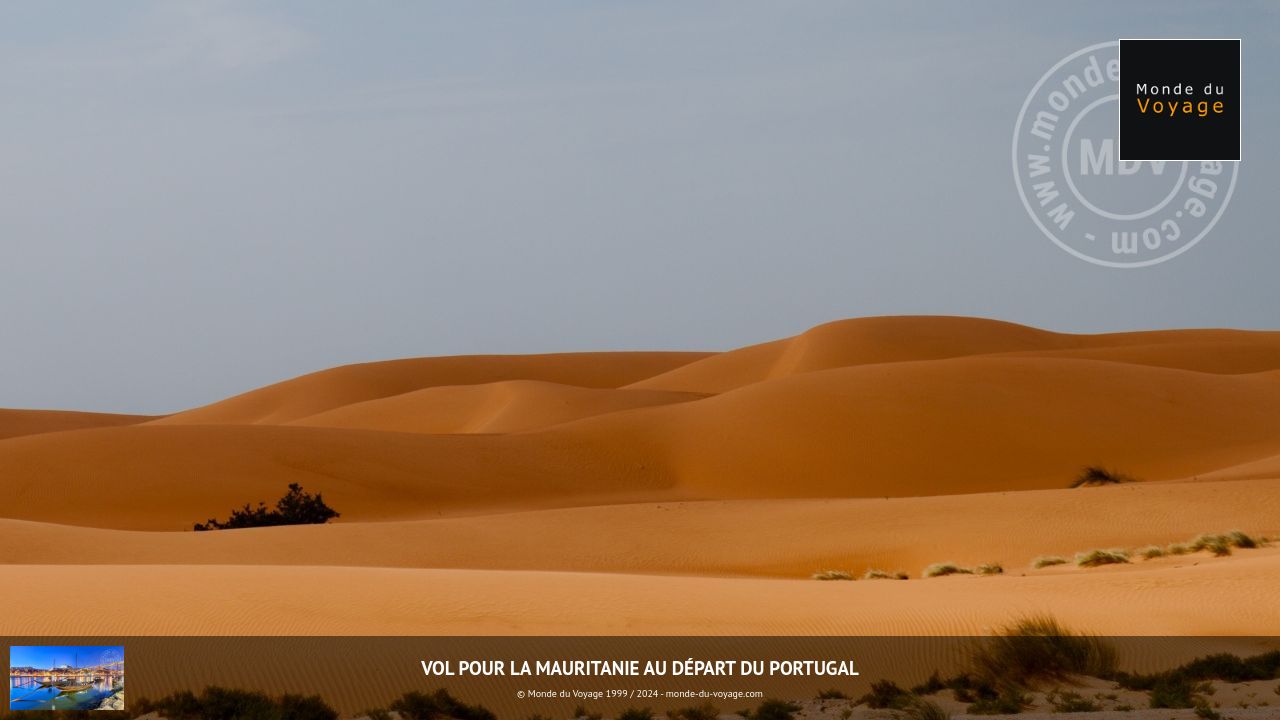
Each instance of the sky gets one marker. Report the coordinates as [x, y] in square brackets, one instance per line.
[46, 657]
[204, 197]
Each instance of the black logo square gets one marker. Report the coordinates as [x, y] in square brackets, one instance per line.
[1179, 99]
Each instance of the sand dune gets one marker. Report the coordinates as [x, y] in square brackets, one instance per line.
[266, 600]
[945, 427]
[865, 341]
[167, 477]
[649, 493]
[17, 423]
[328, 389]
[966, 425]
[764, 538]
[502, 407]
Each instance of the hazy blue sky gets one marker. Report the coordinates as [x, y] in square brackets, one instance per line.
[46, 657]
[203, 197]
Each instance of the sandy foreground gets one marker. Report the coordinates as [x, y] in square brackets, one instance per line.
[672, 493]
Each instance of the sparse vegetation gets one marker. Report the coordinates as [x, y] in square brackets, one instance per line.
[775, 710]
[832, 694]
[581, 712]
[946, 568]
[636, 714]
[216, 703]
[1039, 648]
[989, 569]
[1095, 475]
[1207, 713]
[1064, 701]
[875, 574]
[439, 704]
[1045, 561]
[926, 710]
[1219, 545]
[1151, 552]
[1009, 702]
[933, 685]
[1096, 558]
[295, 508]
[886, 694]
[832, 575]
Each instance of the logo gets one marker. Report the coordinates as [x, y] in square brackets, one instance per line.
[1107, 211]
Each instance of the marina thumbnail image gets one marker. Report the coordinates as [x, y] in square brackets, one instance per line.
[66, 677]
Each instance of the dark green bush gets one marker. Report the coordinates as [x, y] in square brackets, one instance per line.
[438, 705]
[1097, 475]
[217, 703]
[775, 710]
[886, 694]
[295, 508]
[1009, 702]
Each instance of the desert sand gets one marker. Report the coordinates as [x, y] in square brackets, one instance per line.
[672, 493]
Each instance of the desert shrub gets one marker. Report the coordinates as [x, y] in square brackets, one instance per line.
[1096, 558]
[1173, 691]
[875, 574]
[775, 710]
[1242, 540]
[1045, 561]
[934, 684]
[1207, 713]
[926, 710]
[216, 703]
[380, 714]
[1178, 549]
[886, 694]
[1151, 552]
[832, 575]
[582, 713]
[295, 508]
[1219, 545]
[1094, 475]
[1232, 668]
[832, 694]
[1009, 702]
[436, 705]
[990, 569]
[636, 714]
[1039, 648]
[946, 568]
[1064, 701]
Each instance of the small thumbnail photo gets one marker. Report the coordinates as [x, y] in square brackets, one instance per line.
[66, 677]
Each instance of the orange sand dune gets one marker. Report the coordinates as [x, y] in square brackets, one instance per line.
[16, 423]
[656, 493]
[503, 407]
[943, 427]
[864, 341]
[165, 477]
[768, 538]
[1227, 357]
[328, 389]
[962, 425]
[275, 600]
